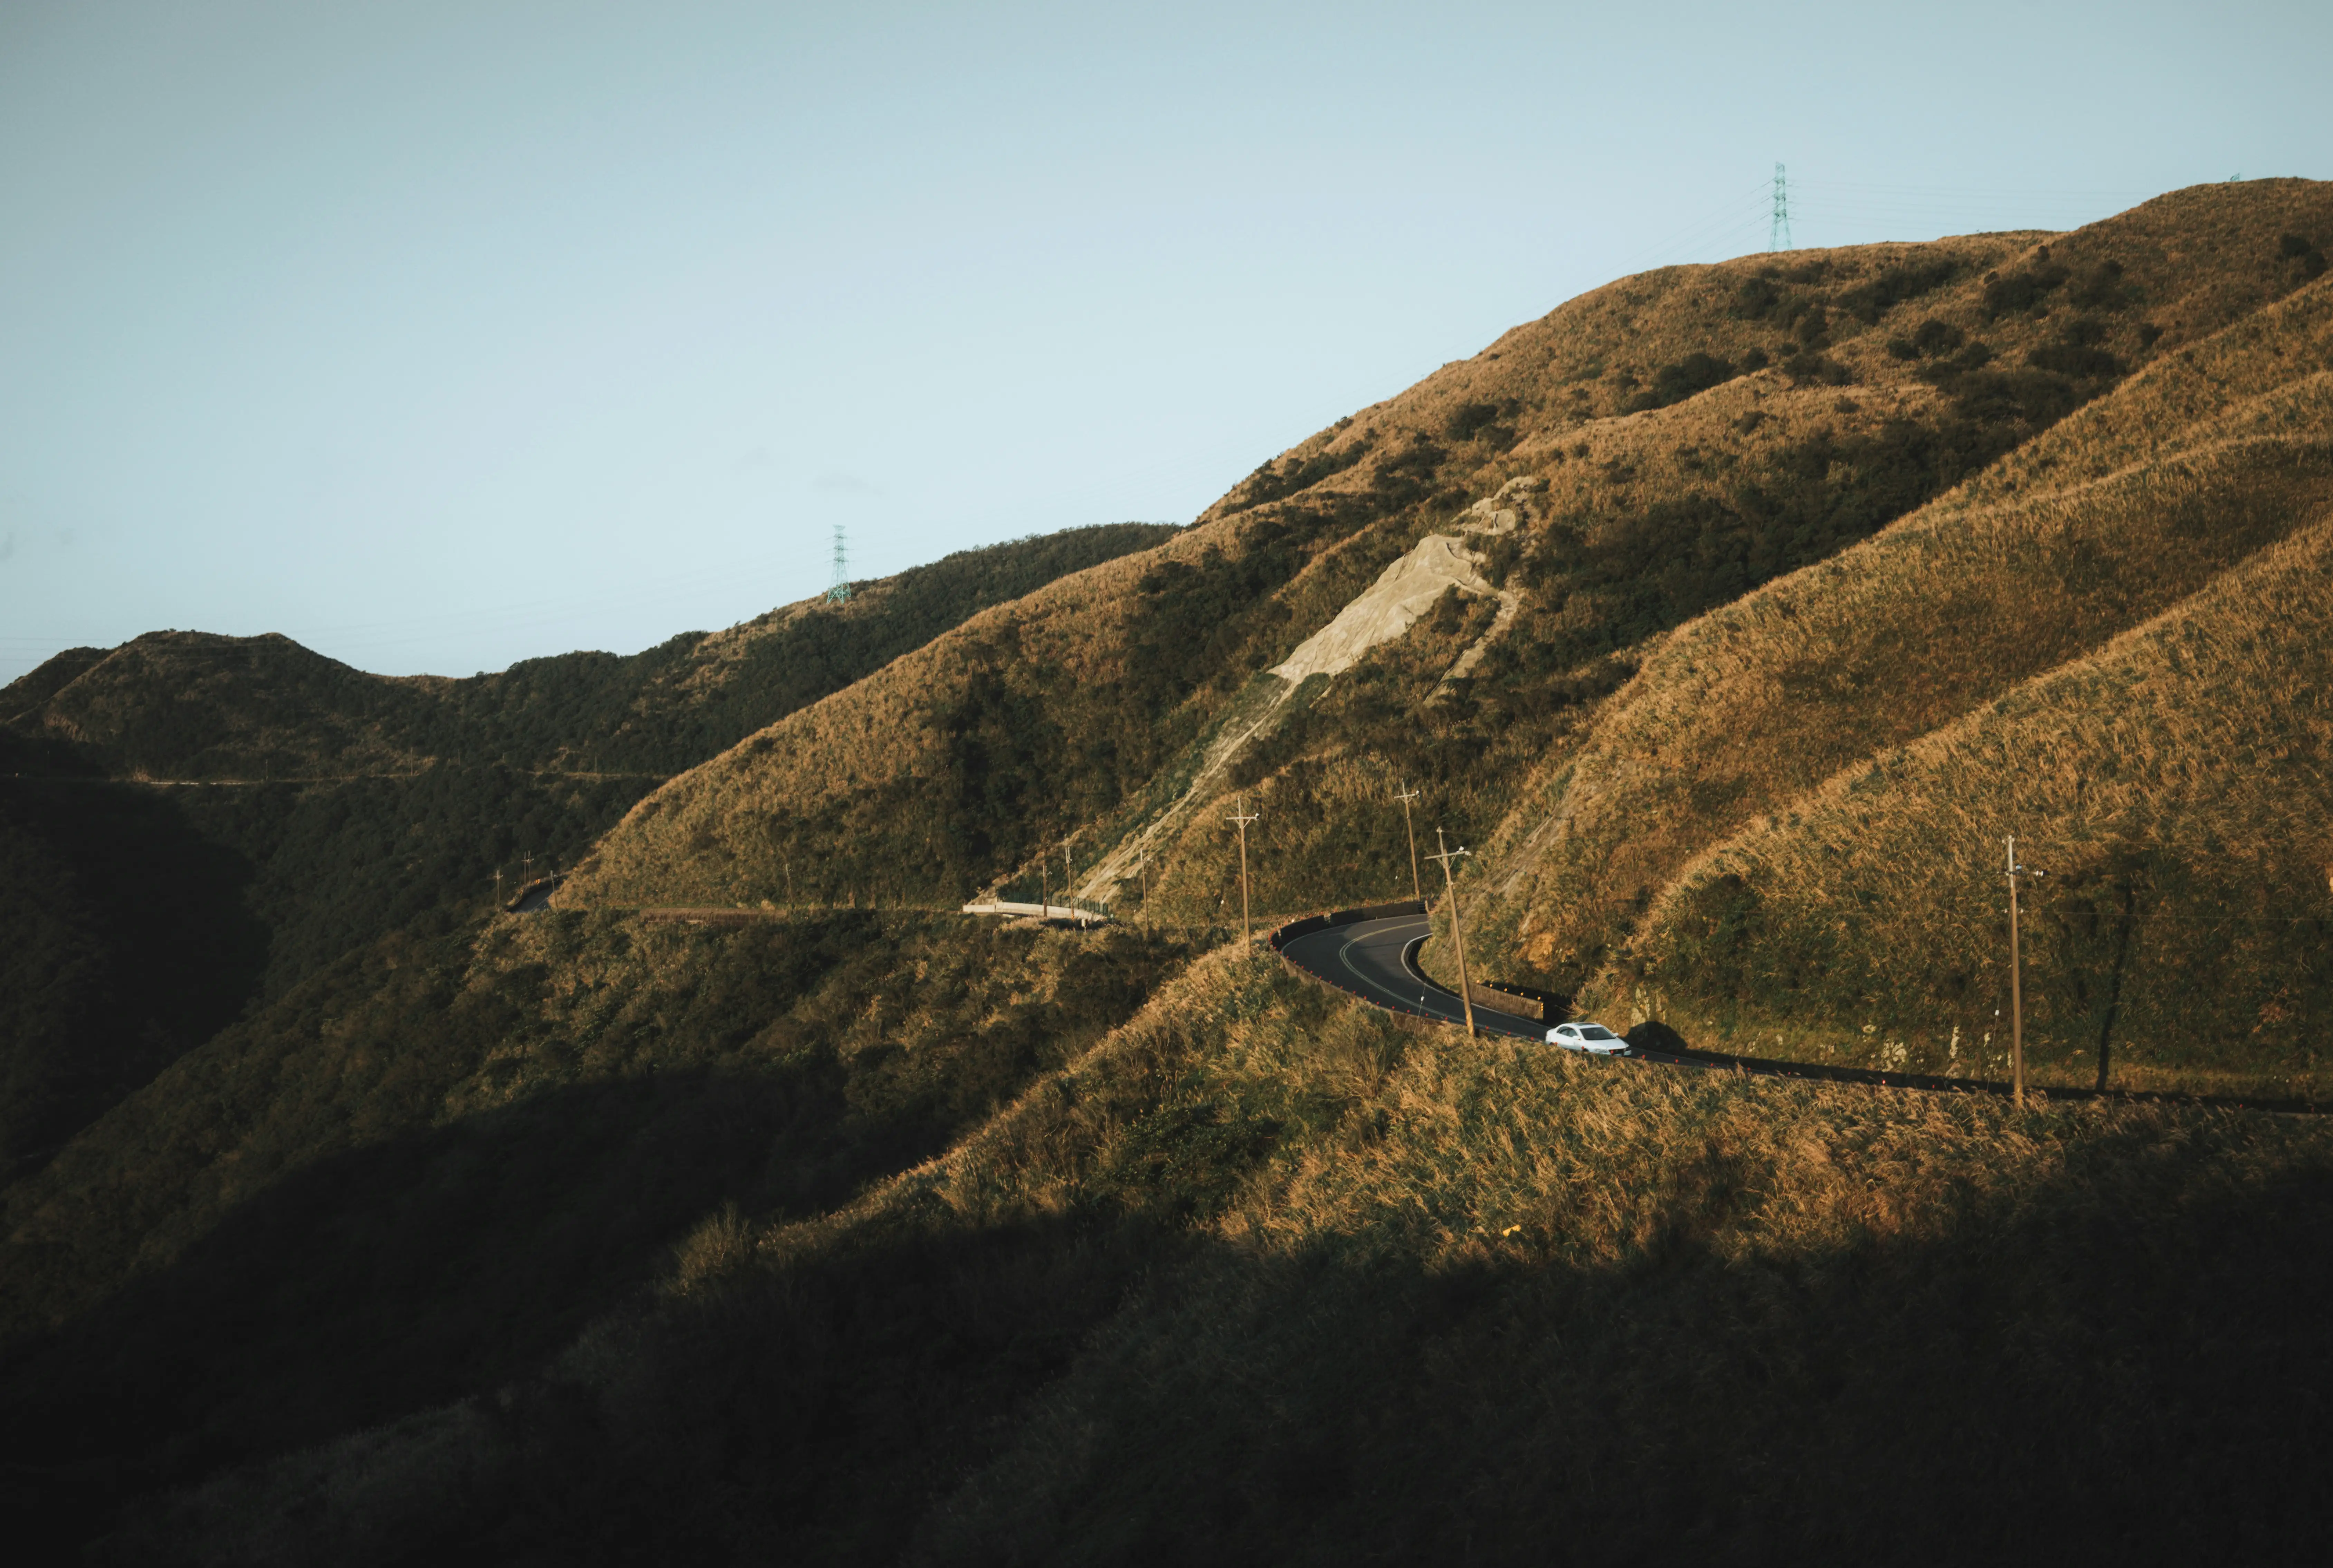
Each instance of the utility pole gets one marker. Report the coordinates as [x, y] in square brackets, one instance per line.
[2016, 983]
[1243, 819]
[498, 887]
[1457, 937]
[1045, 887]
[1405, 797]
[1069, 880]
[1778, 236]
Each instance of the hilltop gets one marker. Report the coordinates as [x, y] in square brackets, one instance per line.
[175, 705]
[1739, 534]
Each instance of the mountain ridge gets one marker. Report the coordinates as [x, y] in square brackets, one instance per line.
[580, 1233]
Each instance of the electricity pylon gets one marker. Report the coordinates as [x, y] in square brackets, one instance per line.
[1777, 237]
[840, 590]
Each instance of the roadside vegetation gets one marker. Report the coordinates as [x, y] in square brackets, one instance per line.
[445, 1154]
[1264, 1275]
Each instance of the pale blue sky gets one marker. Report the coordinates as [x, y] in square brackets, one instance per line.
[439, 335]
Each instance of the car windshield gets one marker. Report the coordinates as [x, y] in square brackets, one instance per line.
[1596, 1031]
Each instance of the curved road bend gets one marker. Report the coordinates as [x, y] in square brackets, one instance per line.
[1376, 960]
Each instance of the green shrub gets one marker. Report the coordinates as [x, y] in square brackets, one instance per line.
[2102, 289]
[2016, 292]
[1482, 421]
[1893, 286]
[1694, 374]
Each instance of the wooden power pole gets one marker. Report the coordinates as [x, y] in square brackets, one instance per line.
[1457, 937]
[2016, 983]
[1242, 818]
[1405, 797]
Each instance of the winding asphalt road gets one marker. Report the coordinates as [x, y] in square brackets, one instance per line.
[1376, 961]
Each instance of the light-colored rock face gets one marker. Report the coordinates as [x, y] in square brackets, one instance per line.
[1404, 590]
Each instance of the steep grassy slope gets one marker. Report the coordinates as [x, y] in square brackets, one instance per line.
[136, 918]
[2112, 517]
[1263, 1277]
[434, 1162]
[1679, 475]
[2178, 788]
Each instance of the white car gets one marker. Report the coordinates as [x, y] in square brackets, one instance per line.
[1593, 1038]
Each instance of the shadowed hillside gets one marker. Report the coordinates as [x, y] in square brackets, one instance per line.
[1263, 1276]
[330, 806]
[441, 1157]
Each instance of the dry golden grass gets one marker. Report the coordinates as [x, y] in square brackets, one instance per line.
[2127, 507]
[2178, 787]
[945, 772]
[853, 800]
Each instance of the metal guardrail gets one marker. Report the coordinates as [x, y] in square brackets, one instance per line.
[1040, 911]
[1311, 923]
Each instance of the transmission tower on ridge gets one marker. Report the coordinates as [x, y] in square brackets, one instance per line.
[1777, 237]
[840, 590]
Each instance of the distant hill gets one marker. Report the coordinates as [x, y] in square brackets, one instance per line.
[173, 705]
[190, 822]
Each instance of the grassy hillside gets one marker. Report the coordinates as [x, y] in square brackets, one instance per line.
[123, 941]
[2114, 517]
[2177, 786]
[137, 918]
[1699, 431]
[1264, 1276]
